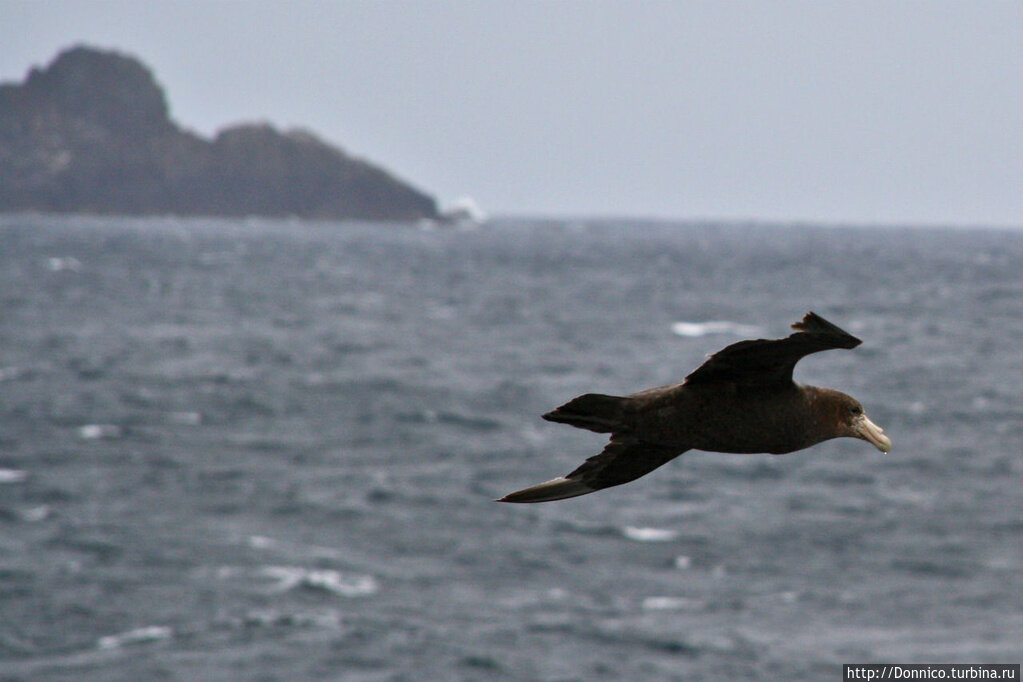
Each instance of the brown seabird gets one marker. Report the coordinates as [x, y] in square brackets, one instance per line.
[742, 400]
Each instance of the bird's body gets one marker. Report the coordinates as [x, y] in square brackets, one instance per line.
[742, 400]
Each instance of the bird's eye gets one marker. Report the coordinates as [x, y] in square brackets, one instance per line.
[856, 410]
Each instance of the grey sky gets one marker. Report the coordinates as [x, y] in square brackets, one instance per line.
[907, 112]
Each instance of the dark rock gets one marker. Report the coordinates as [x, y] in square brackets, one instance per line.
[91, 133]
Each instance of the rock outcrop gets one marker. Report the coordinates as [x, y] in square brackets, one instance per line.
[91, 133]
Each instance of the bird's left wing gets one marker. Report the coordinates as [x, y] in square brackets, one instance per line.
[770, 361]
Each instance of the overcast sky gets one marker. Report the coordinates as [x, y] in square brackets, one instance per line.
[865, 112]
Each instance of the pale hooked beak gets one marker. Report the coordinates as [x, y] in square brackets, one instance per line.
[873, 434]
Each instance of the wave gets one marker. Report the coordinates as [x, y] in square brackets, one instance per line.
[661, 603]
[649, 534]
[100, 431]
[326, 580]
[466, 421]
[13, 475]
[152, 633]
[272, 618]
[695, 329]
[288, 578]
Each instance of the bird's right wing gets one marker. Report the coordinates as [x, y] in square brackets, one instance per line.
[623, 460]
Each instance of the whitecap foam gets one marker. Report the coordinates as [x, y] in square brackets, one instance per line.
[916, 407]
[153, 633]
[33, 514]
[464, 211]
[10, 373]
[335, 582]
[910, 497]
[185, 418]
[695, 329]
[667, 603]
[99, 431]
[261, 542]
[63, 264]
[640, 534]
[12, 475]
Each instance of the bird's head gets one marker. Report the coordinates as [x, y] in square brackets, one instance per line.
[853, 422]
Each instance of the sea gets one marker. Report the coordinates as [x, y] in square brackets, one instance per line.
[269, 450]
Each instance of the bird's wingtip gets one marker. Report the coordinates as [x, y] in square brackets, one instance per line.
[812, 323]
[560, 488]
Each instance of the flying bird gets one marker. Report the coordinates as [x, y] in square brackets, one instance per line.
[741, 400]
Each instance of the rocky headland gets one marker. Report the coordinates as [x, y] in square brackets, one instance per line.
[91, 133]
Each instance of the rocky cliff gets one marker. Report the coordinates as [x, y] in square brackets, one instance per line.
[91, 133]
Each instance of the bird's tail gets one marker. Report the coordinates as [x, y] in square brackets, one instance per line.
[593, 411]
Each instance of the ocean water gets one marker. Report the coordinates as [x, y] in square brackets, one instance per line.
[257, 450]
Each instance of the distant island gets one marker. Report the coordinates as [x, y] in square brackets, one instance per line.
[91, 133]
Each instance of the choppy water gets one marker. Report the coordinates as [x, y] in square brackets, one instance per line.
[267, 451]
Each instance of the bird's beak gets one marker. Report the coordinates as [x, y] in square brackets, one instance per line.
[873, 434]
